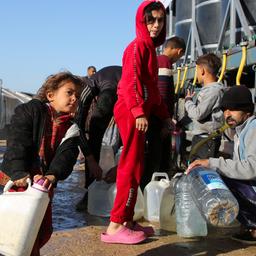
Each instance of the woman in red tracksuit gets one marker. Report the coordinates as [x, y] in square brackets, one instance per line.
[138, 96]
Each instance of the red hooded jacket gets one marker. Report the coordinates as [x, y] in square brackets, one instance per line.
[138, 84]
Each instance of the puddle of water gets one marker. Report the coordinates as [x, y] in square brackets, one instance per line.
[66, 196]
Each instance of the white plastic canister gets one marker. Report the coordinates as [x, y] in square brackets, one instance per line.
[153, 195]
[167, 216]
[21, 214]
[139, 206]
[98, 200]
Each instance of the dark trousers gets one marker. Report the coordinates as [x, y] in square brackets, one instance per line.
[209, 149]
[244, 192]
[157, 151]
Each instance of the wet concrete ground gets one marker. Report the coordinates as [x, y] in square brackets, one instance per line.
[85, 241]
[79, 233]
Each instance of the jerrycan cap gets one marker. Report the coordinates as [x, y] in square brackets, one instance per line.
[39, 185]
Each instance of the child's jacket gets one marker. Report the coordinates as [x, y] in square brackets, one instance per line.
[24, 140]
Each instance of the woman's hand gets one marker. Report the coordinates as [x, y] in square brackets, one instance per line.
[94, 168]
[111, 175]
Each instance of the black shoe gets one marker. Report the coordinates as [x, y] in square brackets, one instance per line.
[82, 204]
[246, 238]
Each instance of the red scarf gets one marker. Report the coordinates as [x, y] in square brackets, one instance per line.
[56, 127]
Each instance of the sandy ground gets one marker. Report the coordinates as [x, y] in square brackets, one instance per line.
[85, 241]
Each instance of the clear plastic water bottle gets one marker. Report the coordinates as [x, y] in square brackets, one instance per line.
[213, 198]
[189, 221]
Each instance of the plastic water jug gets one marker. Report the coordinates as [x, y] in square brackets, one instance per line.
[189, 221]
[167, 216]
[98, 199]
[153, 194]
[21, 214]
[213, 198]
[139, 206]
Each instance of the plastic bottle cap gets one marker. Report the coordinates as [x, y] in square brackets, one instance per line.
[39, 185]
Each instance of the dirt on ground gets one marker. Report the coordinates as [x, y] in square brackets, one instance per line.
[86, 242]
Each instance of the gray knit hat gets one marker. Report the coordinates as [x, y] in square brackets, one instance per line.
[237, 98]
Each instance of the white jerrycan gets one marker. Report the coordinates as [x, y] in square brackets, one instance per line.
[167, 216]
[21, 214]
[139, 206]
[98, 200]
[153, 194]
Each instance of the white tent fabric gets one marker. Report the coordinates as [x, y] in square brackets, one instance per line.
[8, 102]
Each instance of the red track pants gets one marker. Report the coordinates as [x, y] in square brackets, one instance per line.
[130, 167]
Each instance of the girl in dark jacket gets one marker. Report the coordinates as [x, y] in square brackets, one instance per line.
[43, 141]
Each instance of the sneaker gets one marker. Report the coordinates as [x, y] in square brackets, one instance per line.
[246, 238]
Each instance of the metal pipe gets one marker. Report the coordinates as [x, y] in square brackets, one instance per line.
[184, 77]
[195, 76]
[224, 65]
[178, 80]
[242, 62]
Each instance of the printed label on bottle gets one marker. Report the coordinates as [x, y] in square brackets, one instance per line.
[212, 180]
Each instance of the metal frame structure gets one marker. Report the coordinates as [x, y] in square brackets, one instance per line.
[234, 8]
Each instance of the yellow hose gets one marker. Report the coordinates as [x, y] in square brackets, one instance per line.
[184, 77]
[224, 65]
[195, 76]
[242, 62]
[178, 80]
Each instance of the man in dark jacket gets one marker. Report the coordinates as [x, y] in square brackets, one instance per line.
[102, 87]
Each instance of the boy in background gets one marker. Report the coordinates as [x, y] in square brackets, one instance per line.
[158, 152]
[205, 112]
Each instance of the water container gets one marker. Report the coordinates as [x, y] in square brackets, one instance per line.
[214, 200]
[98, 199]
[167, 216]
[21, 214]
[139, 206]
[153, 194]
[189, 221]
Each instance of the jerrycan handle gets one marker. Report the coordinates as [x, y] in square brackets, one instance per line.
[160, 174]
[10, 183]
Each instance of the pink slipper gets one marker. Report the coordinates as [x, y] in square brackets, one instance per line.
[149, 231]
[124, 236]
